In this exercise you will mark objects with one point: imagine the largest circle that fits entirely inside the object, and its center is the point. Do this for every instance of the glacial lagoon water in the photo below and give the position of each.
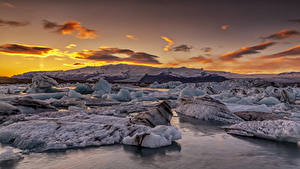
(203, 146)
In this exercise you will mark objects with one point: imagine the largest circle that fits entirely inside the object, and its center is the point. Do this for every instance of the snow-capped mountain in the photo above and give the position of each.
(134, 73)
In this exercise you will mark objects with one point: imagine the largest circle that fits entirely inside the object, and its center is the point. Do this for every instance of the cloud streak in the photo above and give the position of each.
(106, 55)
(16, 49)
(71, 28)
(132, 37)
(181, 48)
(231, 56)
(283, 34)
(169, 41)
(294, 51)
(13, 23)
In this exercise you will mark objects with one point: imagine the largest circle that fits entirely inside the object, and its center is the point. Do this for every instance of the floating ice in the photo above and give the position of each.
(122, 96)
(74, 94)
(84, 88)
(279, 130)
(160, 115)
(8, 109)
(154, 138)
(10, 155)
(257, 108)
(189, 91)
(269, 101)
(42, 84)
(207, 108)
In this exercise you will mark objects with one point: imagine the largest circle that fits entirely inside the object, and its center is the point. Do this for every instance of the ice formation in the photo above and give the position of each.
(189, 91)
(278, 130)
(158, 136)
(84, 88)
(207, 108)
(42, 84)
(10, 155)
(122, 96)
(7, 109)
(160, 115)
(101, 87)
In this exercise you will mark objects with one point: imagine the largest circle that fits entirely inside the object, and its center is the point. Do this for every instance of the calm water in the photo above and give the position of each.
(203, 146)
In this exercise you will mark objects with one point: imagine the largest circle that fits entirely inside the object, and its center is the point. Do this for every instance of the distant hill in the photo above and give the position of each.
(123, 73)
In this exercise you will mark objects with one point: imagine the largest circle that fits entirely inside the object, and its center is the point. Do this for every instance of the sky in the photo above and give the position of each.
(253, 36)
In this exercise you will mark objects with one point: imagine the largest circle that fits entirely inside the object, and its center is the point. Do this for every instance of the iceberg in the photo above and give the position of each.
(122, 96)
(269, 101)
(10, 155)
(156, 137)
(278, 130)
(160, 115)
(207, 108)
(84, 88)
(42, 84)
(189, 91)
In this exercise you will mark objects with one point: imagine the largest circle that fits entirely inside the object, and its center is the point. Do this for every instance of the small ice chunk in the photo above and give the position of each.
(8, 109)
(84, 88)
(10, 155)
(156, 137)
(74, 94)
(189, 91)
(269, 101)
(122, 96)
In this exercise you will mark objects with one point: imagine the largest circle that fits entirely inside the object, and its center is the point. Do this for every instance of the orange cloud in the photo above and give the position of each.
(70, 46)
(17, 49)
(71, 27)
(294, 51)
(283, 34)
(131, 37)
(169, 41)
(224, 27)
(106, 56)
(231, 56)
(7, 4)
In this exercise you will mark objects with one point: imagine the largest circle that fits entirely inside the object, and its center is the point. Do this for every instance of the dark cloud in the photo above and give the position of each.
(206, 49)
(23, 49)
(294, 51)
(13, 23)
(283, 34)
(181, 48)
(71, 27)
(50, 25)
(245, 51)
(116, 51)
(106, 55)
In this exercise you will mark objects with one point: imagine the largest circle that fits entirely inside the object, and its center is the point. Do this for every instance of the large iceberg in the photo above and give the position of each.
(42, 84)
(160, 115)
(279, 130)
(207, 108)
(78, 128)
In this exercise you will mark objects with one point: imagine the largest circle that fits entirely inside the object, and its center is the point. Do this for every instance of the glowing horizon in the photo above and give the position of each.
(153, 33)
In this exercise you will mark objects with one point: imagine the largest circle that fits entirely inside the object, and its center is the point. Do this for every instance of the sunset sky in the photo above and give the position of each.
(253, 36)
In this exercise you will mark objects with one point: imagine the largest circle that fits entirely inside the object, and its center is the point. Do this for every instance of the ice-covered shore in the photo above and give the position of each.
(102, 114)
